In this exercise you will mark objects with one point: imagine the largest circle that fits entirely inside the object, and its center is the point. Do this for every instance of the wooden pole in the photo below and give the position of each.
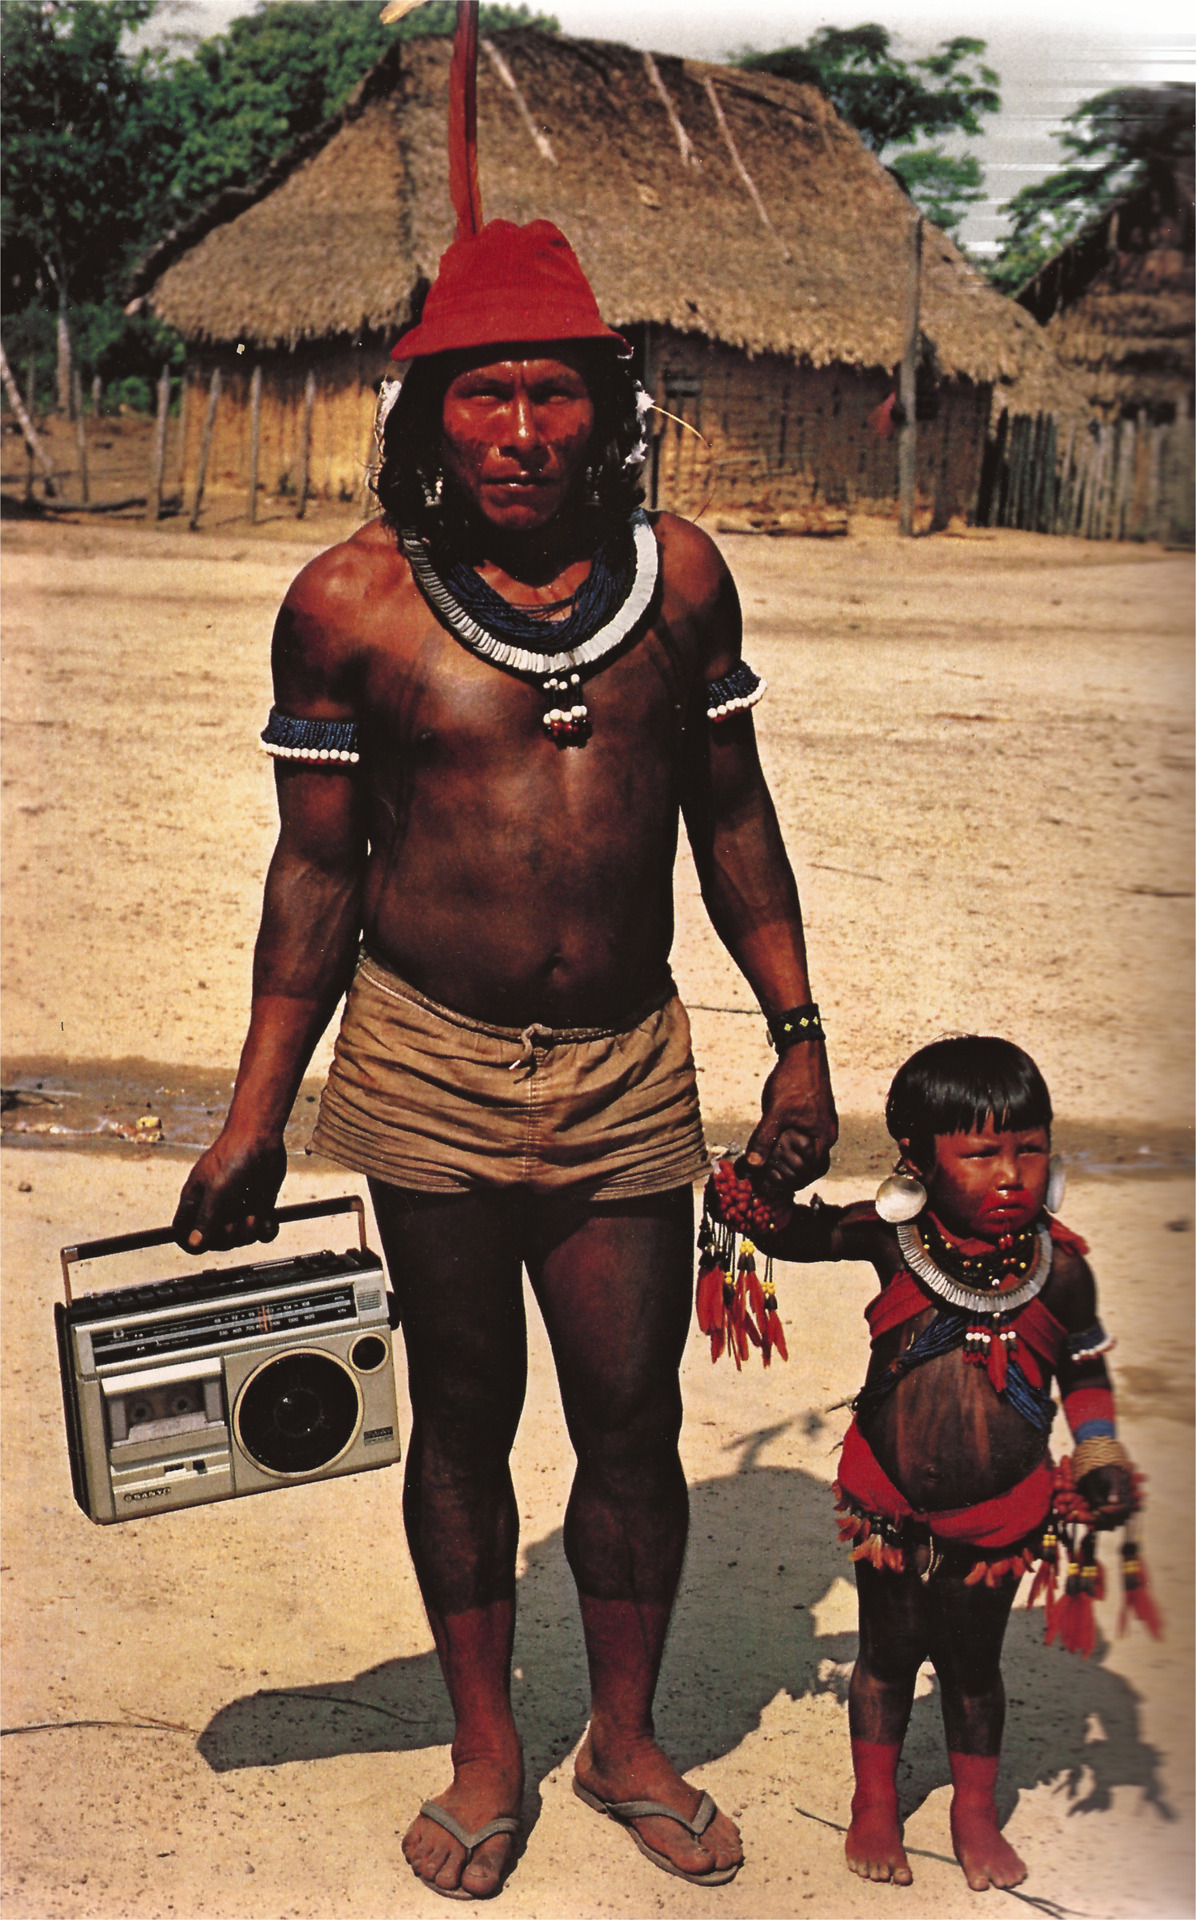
(31, 404)
(907, 437)
(97, 394)
(205, 447)
(36, 450)
(153, 506)
(255, 438)
(80, 435)
(309, 401)
(184, 408)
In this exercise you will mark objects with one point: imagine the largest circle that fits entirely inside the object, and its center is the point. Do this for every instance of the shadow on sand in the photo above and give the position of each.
(762, 1554)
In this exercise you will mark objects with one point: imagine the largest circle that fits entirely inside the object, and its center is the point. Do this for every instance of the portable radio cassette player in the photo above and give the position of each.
(226, 1382)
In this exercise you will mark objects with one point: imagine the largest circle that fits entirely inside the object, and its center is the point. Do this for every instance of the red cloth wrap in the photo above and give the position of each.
(990, 1523)
(1088, 1403)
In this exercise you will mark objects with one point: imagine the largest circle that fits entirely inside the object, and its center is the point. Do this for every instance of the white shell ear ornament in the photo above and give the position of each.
(1056, 1183)
(901, 1197)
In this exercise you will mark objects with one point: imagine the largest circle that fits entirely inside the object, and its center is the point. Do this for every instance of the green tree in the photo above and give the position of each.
(1112, 141)
(229, 108)
(73, 147)
(892, 102)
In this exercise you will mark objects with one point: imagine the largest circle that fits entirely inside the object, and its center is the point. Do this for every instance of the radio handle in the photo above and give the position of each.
(164, 1236)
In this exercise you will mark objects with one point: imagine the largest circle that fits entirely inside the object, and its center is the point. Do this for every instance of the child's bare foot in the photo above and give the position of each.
(985, 1855)
(874, 1848)
(481, 1789)
(616, 1769)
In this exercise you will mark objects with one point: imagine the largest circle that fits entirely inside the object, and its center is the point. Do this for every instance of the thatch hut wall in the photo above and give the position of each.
(341, 447)
(733, 214)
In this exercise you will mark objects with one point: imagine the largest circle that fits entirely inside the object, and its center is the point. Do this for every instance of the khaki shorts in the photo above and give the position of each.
(422, 1097)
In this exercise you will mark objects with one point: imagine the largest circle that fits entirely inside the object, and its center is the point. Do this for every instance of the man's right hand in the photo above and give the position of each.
(229, 1196)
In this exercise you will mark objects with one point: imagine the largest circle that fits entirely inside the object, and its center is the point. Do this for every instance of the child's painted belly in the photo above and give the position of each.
(946, 1440)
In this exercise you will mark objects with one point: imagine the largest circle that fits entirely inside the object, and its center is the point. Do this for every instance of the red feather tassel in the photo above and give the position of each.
(463, 122)
(997, 1364)
(1138, 1598)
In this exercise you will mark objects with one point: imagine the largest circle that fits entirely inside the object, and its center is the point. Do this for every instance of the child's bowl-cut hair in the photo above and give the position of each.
(952, 1086)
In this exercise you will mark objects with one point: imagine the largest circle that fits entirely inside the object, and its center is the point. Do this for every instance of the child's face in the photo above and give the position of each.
(987, 1183)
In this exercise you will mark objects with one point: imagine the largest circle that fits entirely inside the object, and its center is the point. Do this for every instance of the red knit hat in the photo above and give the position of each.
(506, 283)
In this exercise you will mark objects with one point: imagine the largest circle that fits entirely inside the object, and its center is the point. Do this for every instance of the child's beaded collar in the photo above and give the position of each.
(956, 1294)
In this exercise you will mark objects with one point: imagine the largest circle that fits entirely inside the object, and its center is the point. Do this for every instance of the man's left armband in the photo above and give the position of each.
(734, 693)
(326, 742)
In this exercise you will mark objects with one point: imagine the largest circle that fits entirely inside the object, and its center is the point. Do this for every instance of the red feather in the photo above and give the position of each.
(463, 122)
(997, 1362)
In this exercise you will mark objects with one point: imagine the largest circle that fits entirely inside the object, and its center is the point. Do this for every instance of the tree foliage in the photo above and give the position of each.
(892, 102)
(244, 95)
(108, 141)
(1111, 141)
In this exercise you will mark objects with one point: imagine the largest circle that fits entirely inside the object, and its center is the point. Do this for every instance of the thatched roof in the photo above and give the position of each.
(1118, 302)
(698, 197)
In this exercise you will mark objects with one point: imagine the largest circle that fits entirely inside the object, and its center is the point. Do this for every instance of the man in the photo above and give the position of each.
(513, 673)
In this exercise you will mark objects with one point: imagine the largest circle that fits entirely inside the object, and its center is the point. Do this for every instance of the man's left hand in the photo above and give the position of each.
(792, 1144)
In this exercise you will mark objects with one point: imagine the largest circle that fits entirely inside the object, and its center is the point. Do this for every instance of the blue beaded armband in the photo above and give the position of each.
(325, 741)
(1089, 1345)
(734, 693)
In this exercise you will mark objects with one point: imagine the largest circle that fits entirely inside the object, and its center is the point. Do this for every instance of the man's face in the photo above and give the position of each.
(516, 436)
(987, 1183)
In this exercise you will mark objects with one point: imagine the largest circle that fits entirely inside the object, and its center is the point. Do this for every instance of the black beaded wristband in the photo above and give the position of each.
(800, 1023)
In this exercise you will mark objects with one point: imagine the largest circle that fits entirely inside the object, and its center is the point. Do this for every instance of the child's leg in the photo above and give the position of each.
(968, 1627)
(894, 1638)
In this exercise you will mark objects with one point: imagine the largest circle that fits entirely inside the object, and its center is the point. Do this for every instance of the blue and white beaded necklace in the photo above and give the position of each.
(607, 606)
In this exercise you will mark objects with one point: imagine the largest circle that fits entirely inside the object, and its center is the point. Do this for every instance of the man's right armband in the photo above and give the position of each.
(326, 742)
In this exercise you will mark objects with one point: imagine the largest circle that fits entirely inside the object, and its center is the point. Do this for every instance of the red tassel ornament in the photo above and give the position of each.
(1137, 1598)
(741, 1314)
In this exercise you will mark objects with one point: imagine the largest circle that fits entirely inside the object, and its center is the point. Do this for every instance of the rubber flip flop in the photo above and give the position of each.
(625, 1811)
(503, 1823)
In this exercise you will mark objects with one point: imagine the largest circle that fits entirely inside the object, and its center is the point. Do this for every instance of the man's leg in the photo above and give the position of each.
(454, 1264)
(968, 1628)
(614, 1284)
(894, 1639)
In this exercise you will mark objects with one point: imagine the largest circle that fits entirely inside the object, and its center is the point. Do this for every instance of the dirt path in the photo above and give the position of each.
(982, 756)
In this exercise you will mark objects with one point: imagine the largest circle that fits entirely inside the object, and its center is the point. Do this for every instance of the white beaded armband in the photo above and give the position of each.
(327, 741)
(734, 693)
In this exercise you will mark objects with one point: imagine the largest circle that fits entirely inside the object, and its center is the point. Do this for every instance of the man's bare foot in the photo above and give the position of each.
(874, 1848)
(481, 1789)
(986, 1857)
(621, 1768)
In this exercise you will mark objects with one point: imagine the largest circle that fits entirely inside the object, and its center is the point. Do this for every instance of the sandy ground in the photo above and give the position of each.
(981, 751)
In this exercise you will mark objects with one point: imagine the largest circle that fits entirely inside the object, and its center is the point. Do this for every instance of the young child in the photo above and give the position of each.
(945, 1482)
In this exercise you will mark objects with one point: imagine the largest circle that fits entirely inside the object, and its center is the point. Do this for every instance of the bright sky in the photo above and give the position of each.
(1050, 55)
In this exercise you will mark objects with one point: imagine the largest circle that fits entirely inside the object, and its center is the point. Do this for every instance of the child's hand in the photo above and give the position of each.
(1109, 1493)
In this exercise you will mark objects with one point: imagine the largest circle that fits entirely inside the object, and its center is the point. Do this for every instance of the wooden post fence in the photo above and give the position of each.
(309, 401)
(153, 506)
(80, 434)
(907, 436)
(255, 438)
(205, 448)
(36, 450)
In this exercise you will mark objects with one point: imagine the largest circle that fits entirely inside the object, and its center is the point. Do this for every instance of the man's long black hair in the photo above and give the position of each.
(411, 441)
(952, 1086)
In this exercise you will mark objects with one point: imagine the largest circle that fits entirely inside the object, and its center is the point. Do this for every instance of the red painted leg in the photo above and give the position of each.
(874, 1848)
(986, 1858)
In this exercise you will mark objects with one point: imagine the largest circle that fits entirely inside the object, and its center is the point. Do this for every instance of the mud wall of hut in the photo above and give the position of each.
(341, 446)
(750, 437)
(779, 436)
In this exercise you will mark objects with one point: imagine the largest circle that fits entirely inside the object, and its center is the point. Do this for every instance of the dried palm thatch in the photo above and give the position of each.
(1118, 303)
(698, 197)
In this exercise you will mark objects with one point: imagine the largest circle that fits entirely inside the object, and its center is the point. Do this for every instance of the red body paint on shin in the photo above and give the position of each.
(986, 1857)
(873, 1845)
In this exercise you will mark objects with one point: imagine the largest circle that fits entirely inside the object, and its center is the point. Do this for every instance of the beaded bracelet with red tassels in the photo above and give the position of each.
(737, 1307)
